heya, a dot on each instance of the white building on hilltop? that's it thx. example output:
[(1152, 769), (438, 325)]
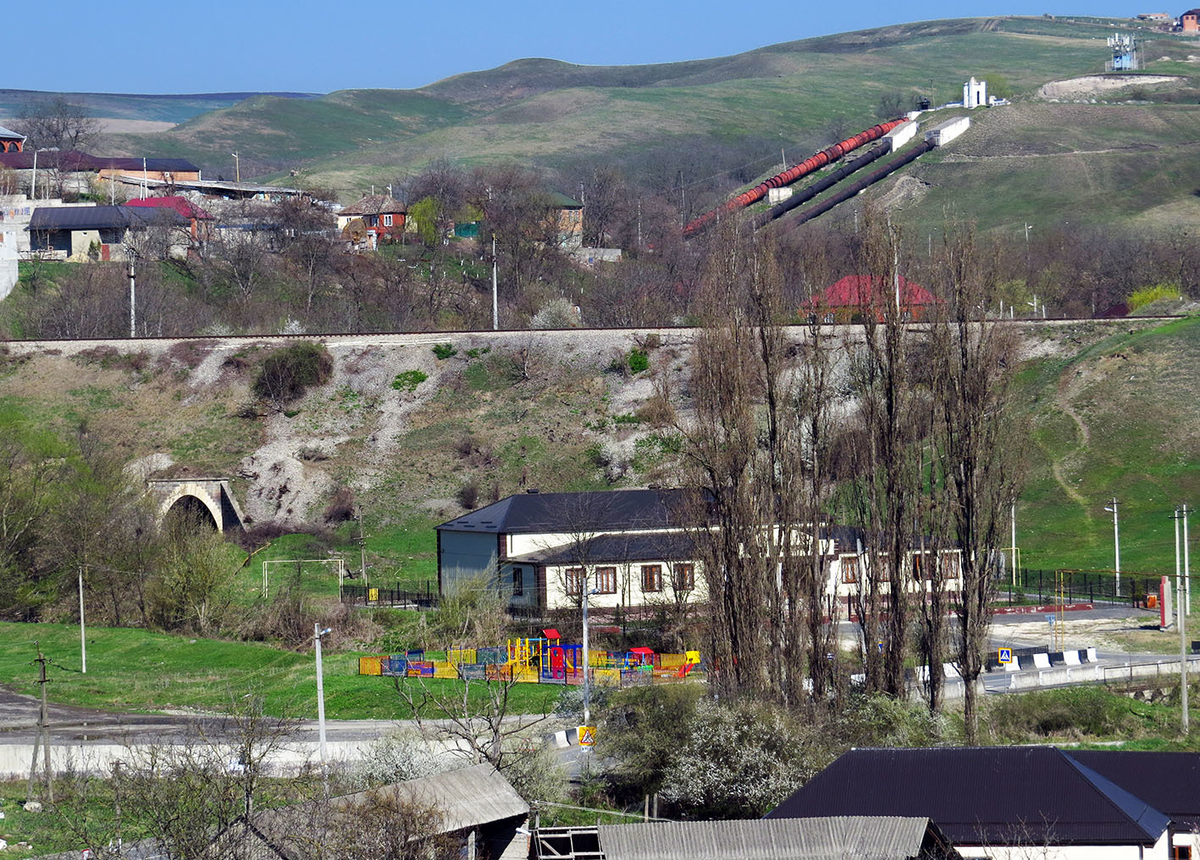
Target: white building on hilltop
[(975, 94)]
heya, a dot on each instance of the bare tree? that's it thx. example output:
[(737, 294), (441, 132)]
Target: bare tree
[(977, 442), (56, 122)]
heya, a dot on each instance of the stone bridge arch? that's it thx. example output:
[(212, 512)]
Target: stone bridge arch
[(210, 494)]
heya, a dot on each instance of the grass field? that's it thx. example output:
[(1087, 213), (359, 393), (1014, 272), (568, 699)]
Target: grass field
[(135, 670), (1117, 419)]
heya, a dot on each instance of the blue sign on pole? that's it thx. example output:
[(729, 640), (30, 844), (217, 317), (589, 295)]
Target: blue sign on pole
[(1005, 656)]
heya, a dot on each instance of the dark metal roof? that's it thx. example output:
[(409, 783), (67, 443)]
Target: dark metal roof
[(864, 837), (982, 796), (72, 160), (606, 511), (616, 548), (51, 218), (1168, 781)]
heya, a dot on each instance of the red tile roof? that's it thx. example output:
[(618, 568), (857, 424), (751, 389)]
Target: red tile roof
[(856, 291), (180, 204), (374, 204)]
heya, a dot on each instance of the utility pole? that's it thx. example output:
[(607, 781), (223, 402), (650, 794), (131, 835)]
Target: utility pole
[(1180, 620), (44, 730), (82, 628), (495, 290), (362, 549), (132, 297), (1112, 506), (1187, 570)]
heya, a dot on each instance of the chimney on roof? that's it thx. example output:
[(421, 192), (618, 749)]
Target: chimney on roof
[(532, 491)]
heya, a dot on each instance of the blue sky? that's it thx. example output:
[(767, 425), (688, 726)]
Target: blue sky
[(139, 46)]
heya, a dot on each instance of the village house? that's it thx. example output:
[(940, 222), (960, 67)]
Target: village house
[(854, 296), (107, 232), (1189, 21), (1010, 803), (380, 217), (74, 171), (633, 548)]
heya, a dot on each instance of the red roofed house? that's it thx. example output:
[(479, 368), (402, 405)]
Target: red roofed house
[(381, 215), (194, 214), (854, 295)]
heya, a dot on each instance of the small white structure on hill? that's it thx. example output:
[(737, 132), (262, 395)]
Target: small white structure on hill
[(975, 94), (945, 132)]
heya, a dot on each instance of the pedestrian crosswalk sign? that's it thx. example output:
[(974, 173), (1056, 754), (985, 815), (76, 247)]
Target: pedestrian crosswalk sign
[(587, 736), (1005, 656)]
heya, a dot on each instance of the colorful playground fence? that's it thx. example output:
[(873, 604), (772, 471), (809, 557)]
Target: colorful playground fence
[(538, 660)]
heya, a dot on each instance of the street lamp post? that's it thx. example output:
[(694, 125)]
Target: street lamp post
[(1112, 507), (587, 688), (317, 634), (237, 167)]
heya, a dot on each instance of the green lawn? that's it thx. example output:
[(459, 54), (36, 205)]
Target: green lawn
[(135, 670)]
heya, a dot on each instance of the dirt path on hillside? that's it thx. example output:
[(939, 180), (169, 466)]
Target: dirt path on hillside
[(1064, 391)]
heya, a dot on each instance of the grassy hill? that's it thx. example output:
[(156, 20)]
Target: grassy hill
[(715, 121), (135, 106)]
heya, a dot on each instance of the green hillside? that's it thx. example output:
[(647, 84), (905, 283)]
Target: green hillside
[(1127, 158), (1111, 408), (134, 106)]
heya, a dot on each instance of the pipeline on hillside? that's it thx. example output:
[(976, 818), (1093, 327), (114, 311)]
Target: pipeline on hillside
[(787, 177), (804, 195), (867, 181)]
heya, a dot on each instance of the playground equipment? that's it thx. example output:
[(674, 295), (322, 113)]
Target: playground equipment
[(538, 660)]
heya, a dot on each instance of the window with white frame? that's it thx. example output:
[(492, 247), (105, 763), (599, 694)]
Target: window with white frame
[(387, 220)]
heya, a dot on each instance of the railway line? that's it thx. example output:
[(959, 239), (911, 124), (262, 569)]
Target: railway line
[(351, 340)]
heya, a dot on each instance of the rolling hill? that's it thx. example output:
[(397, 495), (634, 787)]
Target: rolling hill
[(711, 124)]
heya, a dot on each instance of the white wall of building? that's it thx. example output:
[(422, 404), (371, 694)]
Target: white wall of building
[(975, 94)]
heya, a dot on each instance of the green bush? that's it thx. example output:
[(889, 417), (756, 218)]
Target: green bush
[(409, 380), (638, 360), (287, 373), (1148, 295), (444, 350)]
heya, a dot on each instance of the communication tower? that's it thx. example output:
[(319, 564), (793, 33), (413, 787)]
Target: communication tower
[(1124, 54)]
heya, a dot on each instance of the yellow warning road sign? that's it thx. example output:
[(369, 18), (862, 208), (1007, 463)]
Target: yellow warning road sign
[(587, 736)]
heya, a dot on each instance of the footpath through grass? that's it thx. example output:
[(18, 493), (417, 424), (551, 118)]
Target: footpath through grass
[(139, 671)]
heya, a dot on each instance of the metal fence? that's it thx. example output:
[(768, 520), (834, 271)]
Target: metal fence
[(402, 598), (1078, 586)]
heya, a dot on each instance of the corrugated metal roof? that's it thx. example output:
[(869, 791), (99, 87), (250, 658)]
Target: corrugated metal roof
[(861, 837), (1168, 781), (982, 796), (7, 134), (101, 218), (468, 797), (74, 160), (605, 511)]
